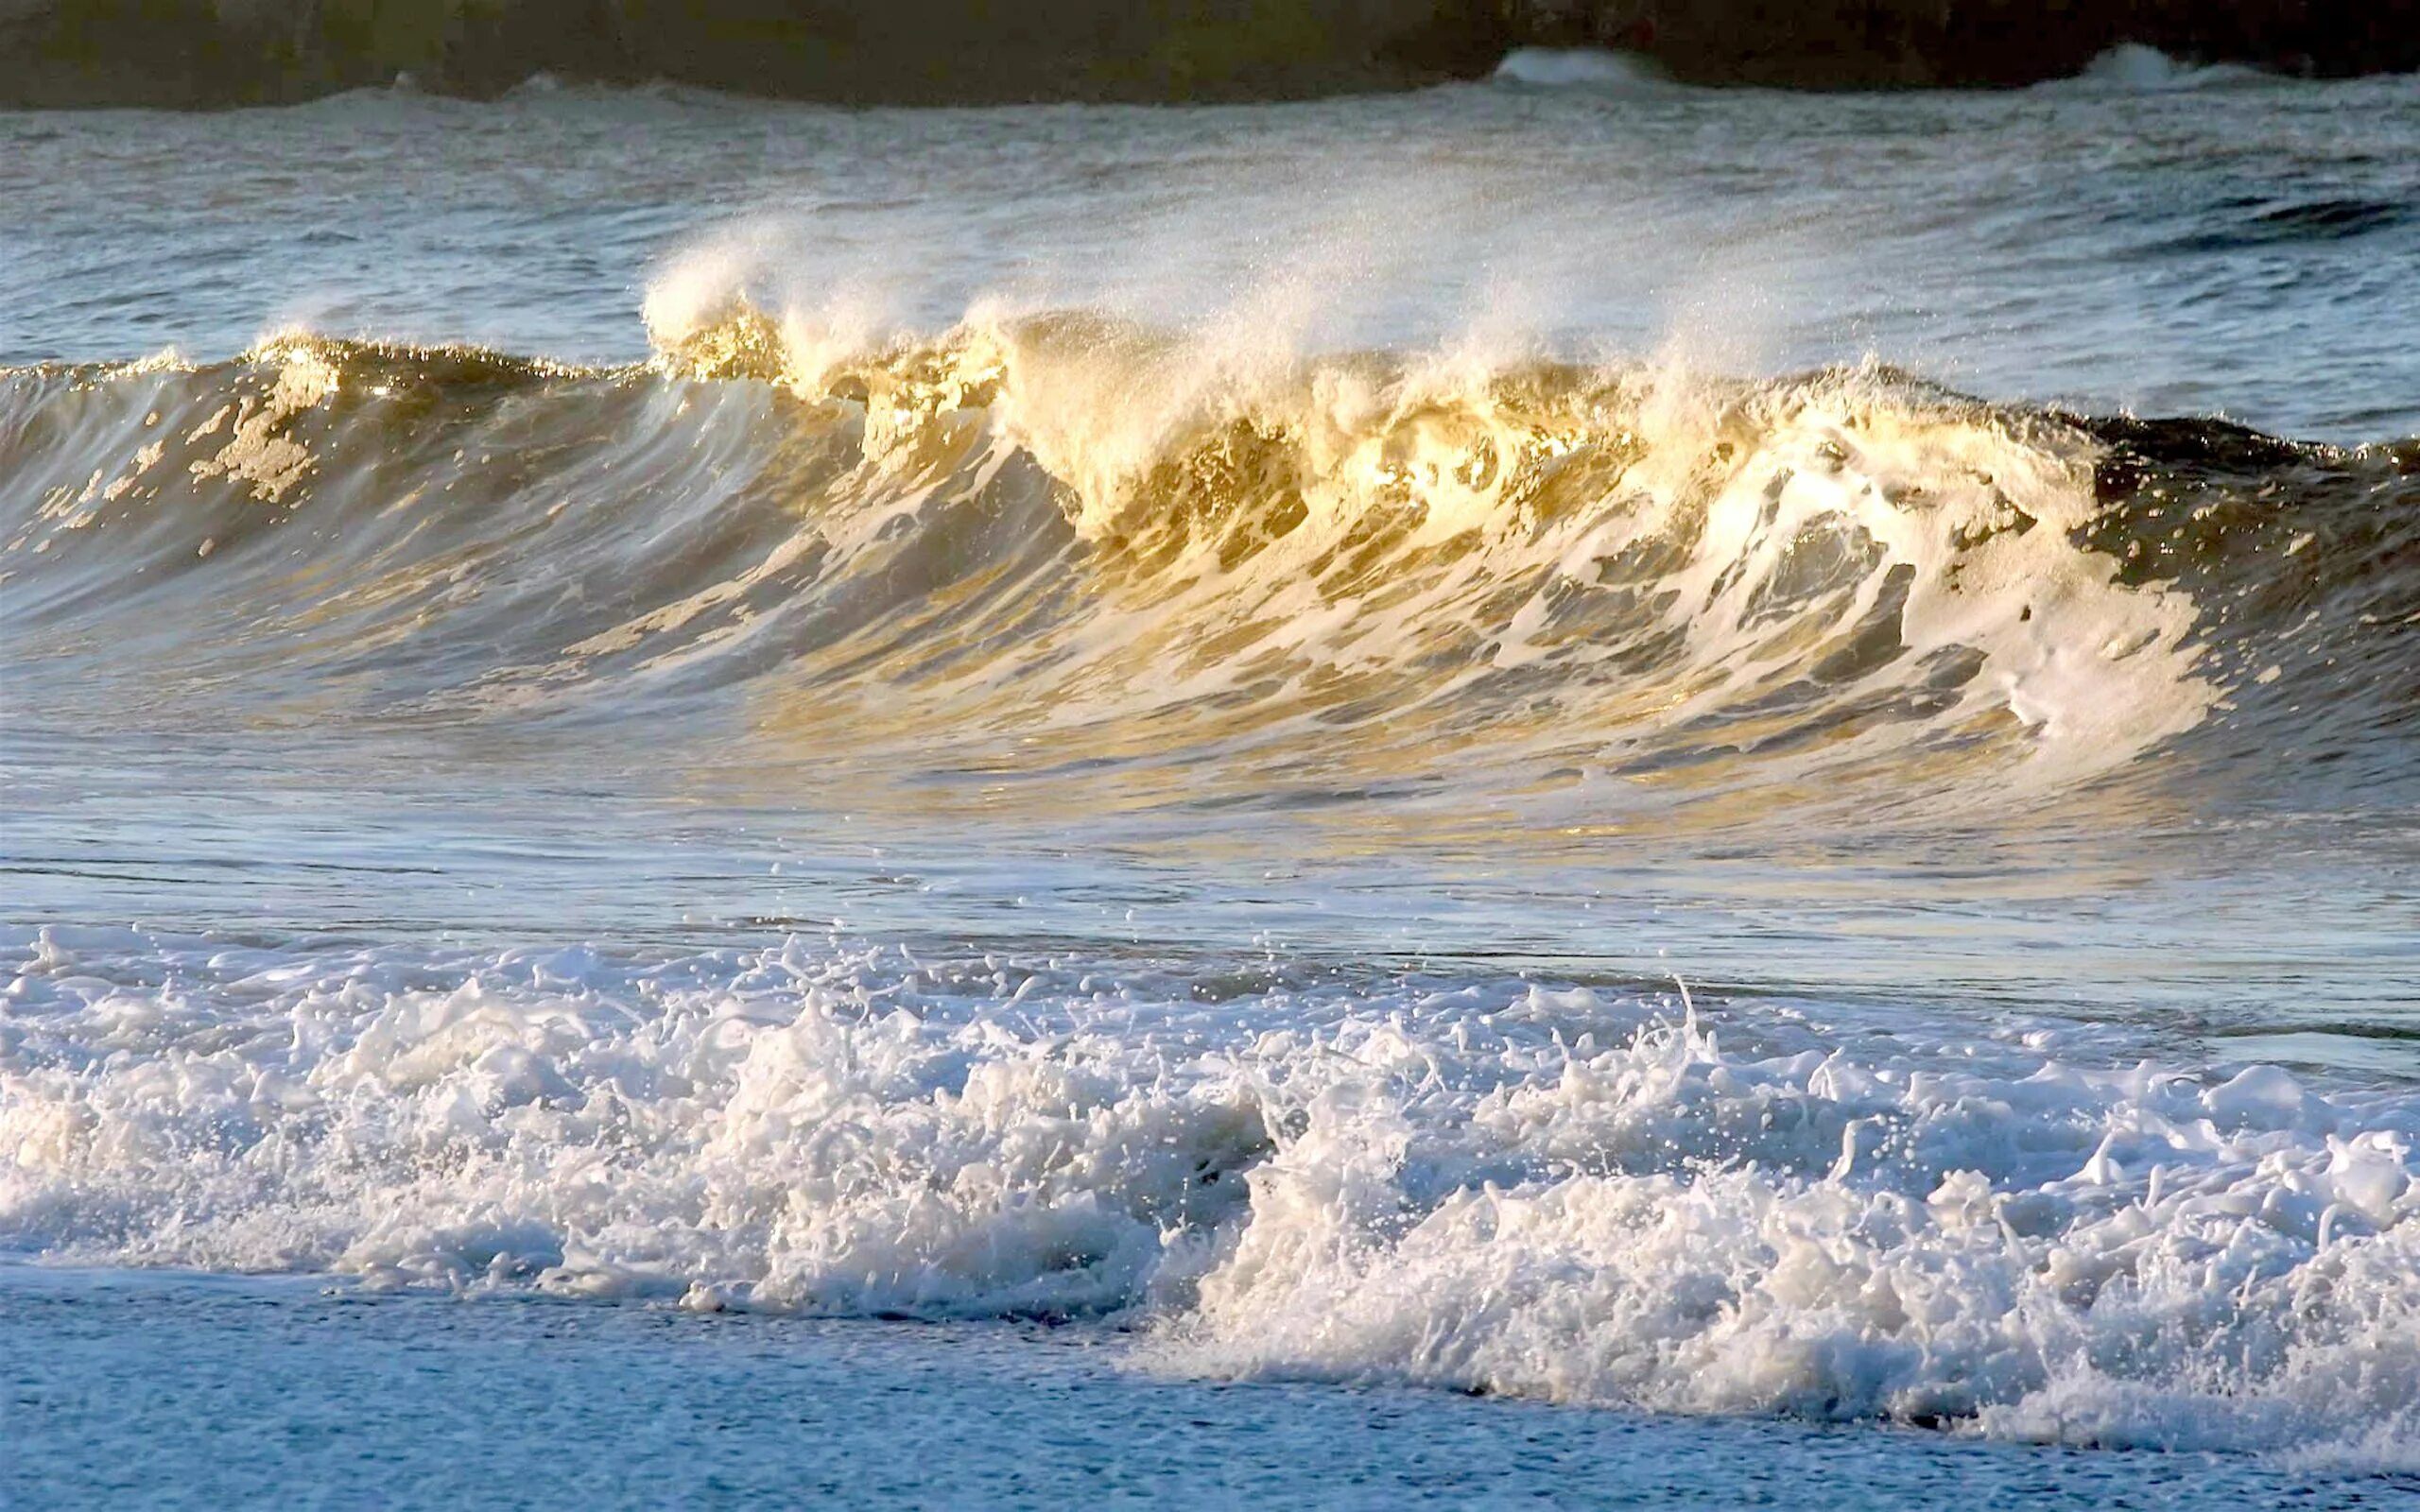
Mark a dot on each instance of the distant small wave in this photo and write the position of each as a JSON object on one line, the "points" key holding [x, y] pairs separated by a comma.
{"points": [[2133, 66], [2256, 223], [1590, 68]]}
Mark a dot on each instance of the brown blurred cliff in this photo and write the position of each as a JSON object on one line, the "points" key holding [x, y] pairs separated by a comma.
{"points": [[198, 53]]}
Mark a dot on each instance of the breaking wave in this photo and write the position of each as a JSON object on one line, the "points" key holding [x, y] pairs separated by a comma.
{"points": [[2132, 66], [1067, 534], [1590, 68]]}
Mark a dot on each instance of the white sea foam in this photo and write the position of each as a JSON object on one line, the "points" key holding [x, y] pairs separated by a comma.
{"points": [[1594, 68], [1487, 1184], [2135, 67]]}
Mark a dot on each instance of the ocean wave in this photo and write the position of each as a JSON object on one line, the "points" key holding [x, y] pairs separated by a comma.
{"points": [[1592, 68], [1598, 1195], [2133, 67], [1055, 531]]}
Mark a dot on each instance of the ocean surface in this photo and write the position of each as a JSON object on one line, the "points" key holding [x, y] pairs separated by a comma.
{"points": [[1560, 790]]}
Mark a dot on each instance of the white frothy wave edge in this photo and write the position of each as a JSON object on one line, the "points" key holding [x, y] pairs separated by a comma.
{"points": [[2134, 67], [1497, 1185], [1598, 69]]}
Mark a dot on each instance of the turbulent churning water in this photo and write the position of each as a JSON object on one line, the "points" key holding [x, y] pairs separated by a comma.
{"points": [[1127, 715]]}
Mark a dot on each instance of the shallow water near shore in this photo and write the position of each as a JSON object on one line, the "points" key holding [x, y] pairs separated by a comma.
{"points": [[358, 1396], [1718, 786]]}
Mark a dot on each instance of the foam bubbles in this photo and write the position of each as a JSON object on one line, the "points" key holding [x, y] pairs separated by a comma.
{"points": [[1488, 1184]]}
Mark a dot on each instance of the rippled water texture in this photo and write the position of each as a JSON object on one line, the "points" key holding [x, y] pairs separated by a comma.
{"points": [[2230, 244], [1133, 720]]}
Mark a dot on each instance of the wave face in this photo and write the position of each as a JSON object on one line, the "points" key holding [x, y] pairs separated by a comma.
{"points": [[1582, 1194], [1061, 538]]}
